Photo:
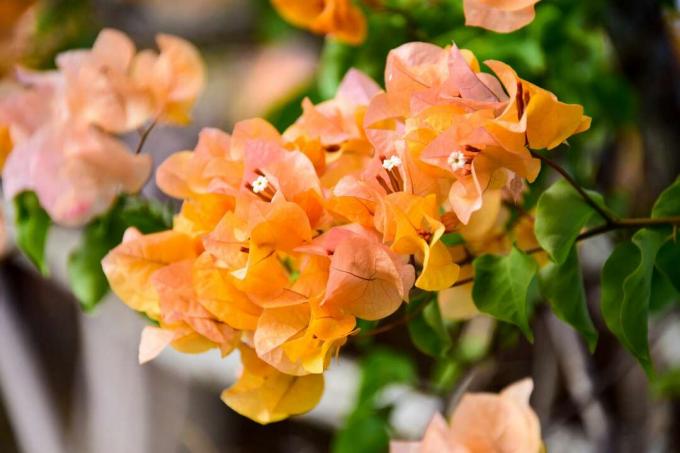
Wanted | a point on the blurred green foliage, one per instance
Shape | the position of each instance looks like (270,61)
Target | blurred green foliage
(86,277)
(367,429)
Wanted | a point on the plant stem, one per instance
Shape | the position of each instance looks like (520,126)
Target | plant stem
(144,136)
(609,218)
(615,224)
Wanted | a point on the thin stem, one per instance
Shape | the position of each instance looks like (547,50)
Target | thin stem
(615,224)
(587,198)
(144,136)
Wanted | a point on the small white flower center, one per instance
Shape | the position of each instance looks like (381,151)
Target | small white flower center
(456,160)
(260,184)
(391,162)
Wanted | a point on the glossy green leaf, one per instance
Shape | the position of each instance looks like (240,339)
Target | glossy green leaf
(668,261)
(562,286)
(561,214)
(662,294)
(626,290)
(32,225)
(427,330)
(668,203)
(501,287)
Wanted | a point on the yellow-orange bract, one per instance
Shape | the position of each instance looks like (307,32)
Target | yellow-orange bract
(285,240)
(483,423)
(340,19)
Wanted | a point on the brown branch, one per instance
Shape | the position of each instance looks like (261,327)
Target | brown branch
(145,135)
(609,218)
(595,231)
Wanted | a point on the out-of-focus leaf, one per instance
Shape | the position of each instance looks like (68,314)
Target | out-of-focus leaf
(86,277)
(427,330)
(626,290)
(445,374)
(336,60)
(562,286)
(381,368)
(561,214)
(367,433)
(501,287)
(32,225)
(366,428)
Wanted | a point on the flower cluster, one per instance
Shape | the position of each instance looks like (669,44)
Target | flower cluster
(61,128)
(483,422)
(284,241)
(343,20)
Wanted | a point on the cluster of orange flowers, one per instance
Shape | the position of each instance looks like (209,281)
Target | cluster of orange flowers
(284,241)
(344,20)
(61,129)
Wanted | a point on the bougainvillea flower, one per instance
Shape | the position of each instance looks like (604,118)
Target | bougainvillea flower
(174,77)
(179,305)
(77,173)
(533,115)
(366,279)
(284,241)
(418,231)
(266,395)
(98,87)
(337,18)
(503,16)
(130,266)
(483,423)
(62,122)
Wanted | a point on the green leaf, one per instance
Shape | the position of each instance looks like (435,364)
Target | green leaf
(668,203)
(501,287)
(381,368)
(427,330)
(32,225)
(561,214)
(85,274)
(562,286)
(336,59)
(663,294)
(365,433)
(667,261)
(626,290)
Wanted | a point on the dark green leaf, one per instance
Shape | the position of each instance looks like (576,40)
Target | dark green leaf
(668,262)
(501,286)
(561,214)
(662,294)
(562,286)
(626,289)
(668,203)
(427,330)
(32,225)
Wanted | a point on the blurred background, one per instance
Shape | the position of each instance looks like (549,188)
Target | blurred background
(70,382)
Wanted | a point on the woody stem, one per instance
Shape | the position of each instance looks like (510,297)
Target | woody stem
(615,224)
(608,218)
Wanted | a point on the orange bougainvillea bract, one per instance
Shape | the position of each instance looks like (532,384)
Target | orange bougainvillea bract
(285,240)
